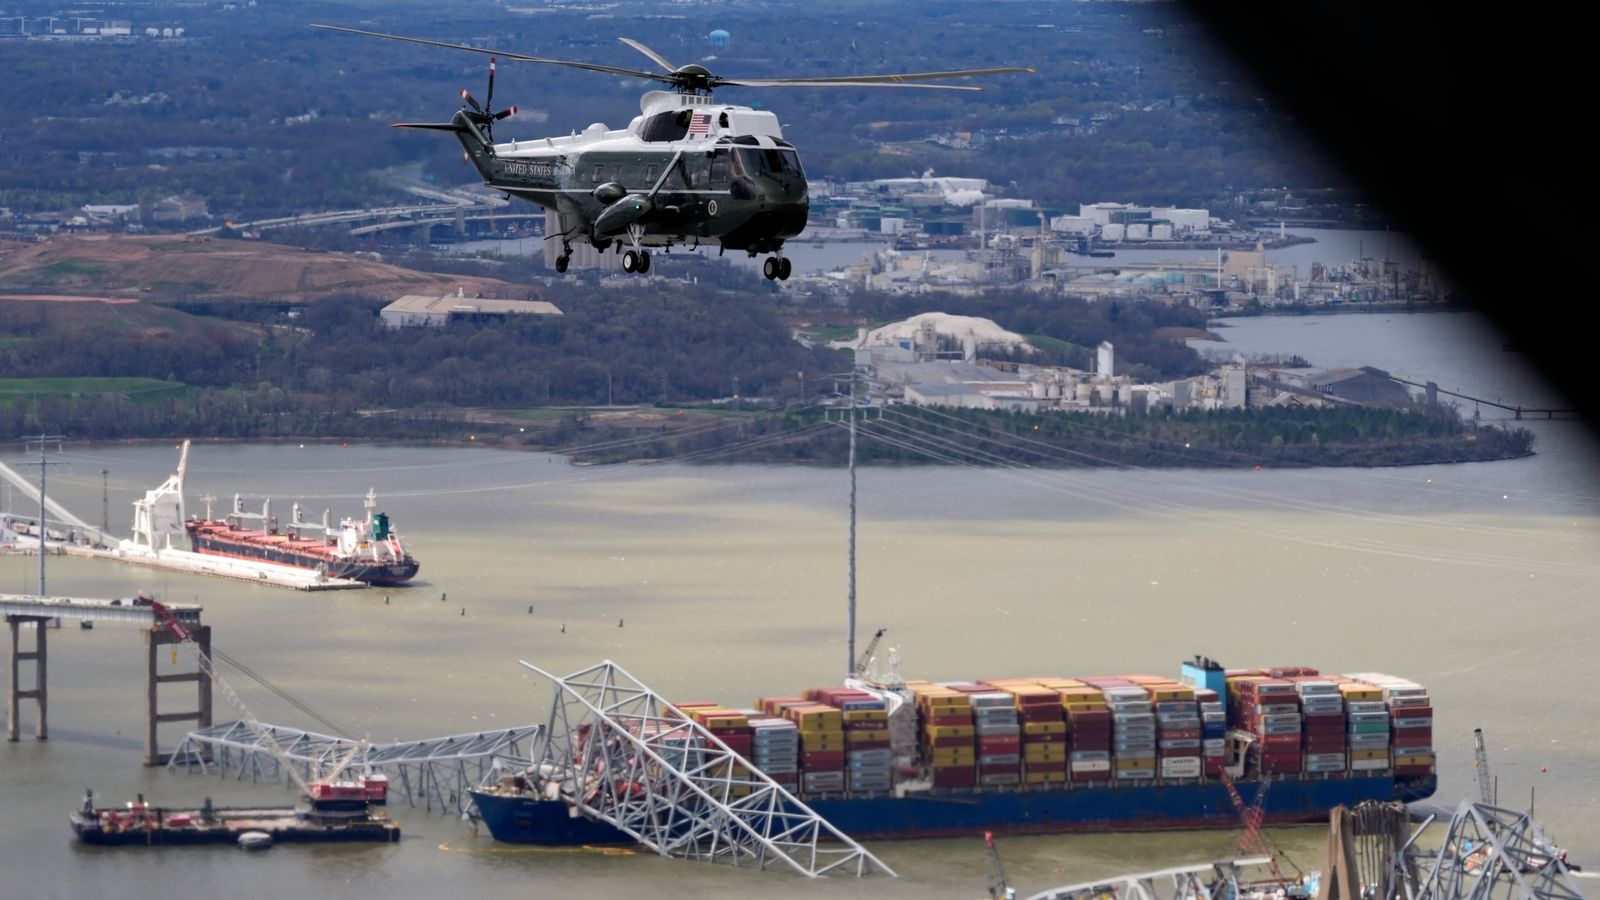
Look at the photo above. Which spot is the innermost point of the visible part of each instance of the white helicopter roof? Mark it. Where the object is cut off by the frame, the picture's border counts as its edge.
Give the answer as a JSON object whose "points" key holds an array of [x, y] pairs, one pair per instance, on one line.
{"points": [[671, 120]]}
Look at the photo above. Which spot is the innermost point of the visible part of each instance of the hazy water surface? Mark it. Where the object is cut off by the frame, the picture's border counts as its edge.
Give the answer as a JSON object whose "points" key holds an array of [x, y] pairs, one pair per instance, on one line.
{"points": [[1479, 580]]}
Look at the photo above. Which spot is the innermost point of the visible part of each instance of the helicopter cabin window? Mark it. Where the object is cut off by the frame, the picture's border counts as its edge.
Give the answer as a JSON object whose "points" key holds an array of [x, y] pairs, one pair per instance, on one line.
{"points": [[754, 160], [650, 174], [599, 173], [719, 168], [667, 126]]}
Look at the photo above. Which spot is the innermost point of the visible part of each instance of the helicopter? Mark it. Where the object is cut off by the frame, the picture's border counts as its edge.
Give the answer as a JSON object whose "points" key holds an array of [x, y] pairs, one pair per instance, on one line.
{"points": [[687, 171]]}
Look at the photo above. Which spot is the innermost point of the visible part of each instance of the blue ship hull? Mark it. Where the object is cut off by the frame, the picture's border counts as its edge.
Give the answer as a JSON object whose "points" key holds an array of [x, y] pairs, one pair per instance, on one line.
{"points": [[525, 820]]}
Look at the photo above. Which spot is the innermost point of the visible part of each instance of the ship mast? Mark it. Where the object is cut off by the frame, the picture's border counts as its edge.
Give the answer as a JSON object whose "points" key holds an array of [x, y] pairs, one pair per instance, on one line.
{"points": [[850, 644]]}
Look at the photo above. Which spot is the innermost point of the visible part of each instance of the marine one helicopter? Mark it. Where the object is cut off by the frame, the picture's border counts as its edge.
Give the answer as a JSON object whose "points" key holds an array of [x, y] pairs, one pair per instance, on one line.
{"points": [[687, 171]]}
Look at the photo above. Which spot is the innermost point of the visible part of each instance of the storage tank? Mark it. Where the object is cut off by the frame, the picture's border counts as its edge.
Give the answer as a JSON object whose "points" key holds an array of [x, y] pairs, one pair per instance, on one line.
{"points": [[1138, 232], [1111, 232], [1161, 231]]}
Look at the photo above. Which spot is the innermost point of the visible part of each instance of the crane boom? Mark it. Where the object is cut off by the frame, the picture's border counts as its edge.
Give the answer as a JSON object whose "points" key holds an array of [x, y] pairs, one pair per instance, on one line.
{"points": [[261, 732], [1480, 762], [866, 655]]}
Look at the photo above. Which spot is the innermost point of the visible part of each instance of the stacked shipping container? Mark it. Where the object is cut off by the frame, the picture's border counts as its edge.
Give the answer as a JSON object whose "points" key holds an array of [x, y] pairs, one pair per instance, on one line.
{"points": [[1046, 733]]}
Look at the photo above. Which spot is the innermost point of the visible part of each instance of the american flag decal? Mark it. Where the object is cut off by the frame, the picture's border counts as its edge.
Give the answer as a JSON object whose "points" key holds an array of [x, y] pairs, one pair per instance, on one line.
{"points": [[700, 123]]}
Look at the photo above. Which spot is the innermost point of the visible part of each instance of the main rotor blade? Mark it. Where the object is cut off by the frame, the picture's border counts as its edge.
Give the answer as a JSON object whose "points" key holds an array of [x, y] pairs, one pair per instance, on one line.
{"points": [[829, 82], [655, 57], [899, 78], [520, 57]]}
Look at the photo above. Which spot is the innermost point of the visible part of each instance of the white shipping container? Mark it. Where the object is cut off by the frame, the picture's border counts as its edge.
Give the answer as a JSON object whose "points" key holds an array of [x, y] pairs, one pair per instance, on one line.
{"points": [[1090, 765], [1368, 765]]}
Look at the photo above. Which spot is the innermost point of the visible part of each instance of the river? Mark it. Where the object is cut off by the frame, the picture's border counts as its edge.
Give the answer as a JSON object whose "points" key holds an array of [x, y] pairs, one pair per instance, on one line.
{"points": [[728, 582]]}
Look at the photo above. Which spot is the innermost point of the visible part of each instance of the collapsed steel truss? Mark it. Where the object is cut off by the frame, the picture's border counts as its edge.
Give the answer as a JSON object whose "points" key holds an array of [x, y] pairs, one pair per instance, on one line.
{"points": [[633, 760], [1207, 881], [1488, 853], [433, 772]]}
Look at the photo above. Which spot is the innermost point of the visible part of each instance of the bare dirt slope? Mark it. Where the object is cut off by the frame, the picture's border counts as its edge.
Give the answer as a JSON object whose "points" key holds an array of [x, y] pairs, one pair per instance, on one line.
{"points": [[161, 267]]}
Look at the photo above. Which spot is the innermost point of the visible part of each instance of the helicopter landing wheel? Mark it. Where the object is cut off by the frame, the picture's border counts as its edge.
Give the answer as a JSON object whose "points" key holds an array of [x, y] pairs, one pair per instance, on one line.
{"points": [[770, 268], [630, 262], [644, 261], [561, 262], [784, 267]]}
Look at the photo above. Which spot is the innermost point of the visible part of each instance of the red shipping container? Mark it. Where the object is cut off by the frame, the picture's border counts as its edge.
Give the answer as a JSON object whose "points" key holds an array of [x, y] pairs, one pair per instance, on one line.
{"points": [[1046, 766], [1179, 734], [1088, 776], [962, 719], [990, 745], [967, 687], [822, 760], [954, 778], [951, 742], [1412, 770], [1411, 712], [1412, 737], [1281, 766], [1279, 740]]}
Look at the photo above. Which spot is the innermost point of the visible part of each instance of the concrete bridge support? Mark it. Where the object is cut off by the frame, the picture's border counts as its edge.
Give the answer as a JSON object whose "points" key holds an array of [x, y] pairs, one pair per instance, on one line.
{"points": [[156, 638], [40, 693]]}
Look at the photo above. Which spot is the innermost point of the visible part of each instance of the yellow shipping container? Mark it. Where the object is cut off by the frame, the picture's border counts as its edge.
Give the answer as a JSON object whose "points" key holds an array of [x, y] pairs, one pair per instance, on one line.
{"points": [[1135, 763], [866, 715], [943, 757], [1095, 705], [943, 701], [819, 719], [1360, 692], [1415, 759], [1044, 728], [879, 736], [1369, 754], [1044, 777], [1044, 753], [946, 731], [1172, 692]]}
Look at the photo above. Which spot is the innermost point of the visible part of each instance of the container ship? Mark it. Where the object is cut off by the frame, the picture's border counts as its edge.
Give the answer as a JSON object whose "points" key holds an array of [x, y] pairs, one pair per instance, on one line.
{"points": [[1124, 753], [366, 549]]}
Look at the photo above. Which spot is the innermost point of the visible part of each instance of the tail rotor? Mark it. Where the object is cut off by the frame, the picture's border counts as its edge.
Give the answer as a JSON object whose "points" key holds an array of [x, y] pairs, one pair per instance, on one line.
{"points": [[484, 115]]}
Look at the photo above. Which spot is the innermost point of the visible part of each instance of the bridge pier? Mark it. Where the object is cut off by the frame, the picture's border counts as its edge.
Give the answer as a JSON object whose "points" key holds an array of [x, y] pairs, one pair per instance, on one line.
{"points": [[40, 693], [156, 638]]}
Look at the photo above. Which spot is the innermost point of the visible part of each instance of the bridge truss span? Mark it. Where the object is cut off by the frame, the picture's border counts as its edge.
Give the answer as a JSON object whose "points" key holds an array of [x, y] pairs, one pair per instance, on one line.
{"points": [[436, 772], [635, 761]]}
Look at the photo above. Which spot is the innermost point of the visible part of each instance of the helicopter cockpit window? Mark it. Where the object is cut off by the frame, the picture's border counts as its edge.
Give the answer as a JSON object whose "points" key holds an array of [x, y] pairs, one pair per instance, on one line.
{"points": [[719, 168], [778, 162], [667, 126]]}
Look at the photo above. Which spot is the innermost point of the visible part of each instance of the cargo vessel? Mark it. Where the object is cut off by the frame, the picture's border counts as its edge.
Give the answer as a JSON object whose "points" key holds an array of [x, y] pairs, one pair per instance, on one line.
{"points": [[1125, 753], [337, 812], [366, 549]]}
